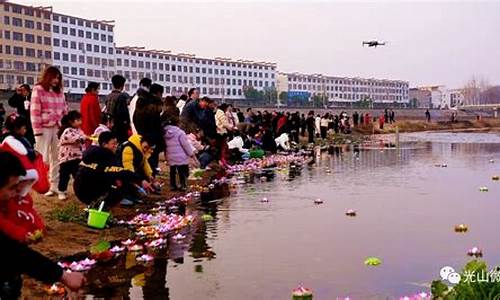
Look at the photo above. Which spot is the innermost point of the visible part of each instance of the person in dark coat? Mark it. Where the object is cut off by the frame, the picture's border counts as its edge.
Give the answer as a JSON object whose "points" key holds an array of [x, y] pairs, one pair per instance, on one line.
{"points": [[100, 177], [117, 107], [303, 125], [147, 121], [192, 113], [21, 102], [295, 127], [355, 118], [310, 126]]}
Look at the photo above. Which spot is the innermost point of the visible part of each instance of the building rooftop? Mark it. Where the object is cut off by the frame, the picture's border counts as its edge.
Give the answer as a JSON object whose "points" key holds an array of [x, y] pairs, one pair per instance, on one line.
{"points": [[193, 56], [317, 75]]}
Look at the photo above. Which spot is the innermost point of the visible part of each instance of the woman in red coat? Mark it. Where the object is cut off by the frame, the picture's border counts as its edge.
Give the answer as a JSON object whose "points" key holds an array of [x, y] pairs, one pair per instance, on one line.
{"points": [[90, 109]]}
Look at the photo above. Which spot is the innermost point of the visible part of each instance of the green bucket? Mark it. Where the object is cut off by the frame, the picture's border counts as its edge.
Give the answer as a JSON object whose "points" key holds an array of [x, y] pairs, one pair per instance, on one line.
{"points": [[257, 153], [97, 219]]}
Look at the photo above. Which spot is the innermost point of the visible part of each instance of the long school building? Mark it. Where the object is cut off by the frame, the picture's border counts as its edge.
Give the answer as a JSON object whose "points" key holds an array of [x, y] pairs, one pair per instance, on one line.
{"points": [[32, 38]]}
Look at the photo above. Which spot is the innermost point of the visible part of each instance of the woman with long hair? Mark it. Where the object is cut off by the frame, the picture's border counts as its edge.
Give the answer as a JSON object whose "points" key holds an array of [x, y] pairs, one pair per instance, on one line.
{"points": [[48, 105]]}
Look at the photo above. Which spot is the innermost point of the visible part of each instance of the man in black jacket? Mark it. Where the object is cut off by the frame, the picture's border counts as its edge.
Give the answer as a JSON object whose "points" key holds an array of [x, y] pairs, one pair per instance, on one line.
{"points": [[100, 177], [16, 258], [117, 107]]}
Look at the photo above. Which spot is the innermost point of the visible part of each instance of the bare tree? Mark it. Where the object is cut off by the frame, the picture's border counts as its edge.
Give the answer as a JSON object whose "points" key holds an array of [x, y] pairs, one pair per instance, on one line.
{"points": [[474, 90]]}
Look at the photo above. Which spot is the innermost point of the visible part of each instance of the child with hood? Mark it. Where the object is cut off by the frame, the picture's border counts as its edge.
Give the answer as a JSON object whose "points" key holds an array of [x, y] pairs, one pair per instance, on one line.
{"points": [[179, 151]]}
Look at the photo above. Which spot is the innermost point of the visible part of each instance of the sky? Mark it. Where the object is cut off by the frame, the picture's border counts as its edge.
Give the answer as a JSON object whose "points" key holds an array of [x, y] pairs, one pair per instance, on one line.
{"points": [[427, 42]]}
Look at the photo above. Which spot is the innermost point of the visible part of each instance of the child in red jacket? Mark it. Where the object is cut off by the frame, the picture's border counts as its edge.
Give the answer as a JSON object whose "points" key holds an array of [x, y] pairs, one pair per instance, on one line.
{"points": [[18, 218]]}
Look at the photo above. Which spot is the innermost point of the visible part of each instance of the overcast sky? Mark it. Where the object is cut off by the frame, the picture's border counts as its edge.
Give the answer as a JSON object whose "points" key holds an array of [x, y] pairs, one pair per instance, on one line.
{"points": [[427, 42]]}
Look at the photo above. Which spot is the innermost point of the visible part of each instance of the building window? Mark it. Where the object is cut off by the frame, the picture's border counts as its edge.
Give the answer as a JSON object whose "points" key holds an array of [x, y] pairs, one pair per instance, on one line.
{"points": [[81, 33], [30, 67], [65, 70], [30, 52], [17, 36], [47, 41], [18, 51], [96, 36], [73, 45], [73, 57], [65, 57], [18, 65], [6, 20], [110, 50], [110, 38], [29, 24], [103, 37], [72, 31], [17, 22], [29, 38], [65, 43], [88, 34], [103, 49]]}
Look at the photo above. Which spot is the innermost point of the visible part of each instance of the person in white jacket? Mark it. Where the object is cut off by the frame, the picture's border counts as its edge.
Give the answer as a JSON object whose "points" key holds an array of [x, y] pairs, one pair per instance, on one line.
{"points": [[283, 141], [317, 124]]}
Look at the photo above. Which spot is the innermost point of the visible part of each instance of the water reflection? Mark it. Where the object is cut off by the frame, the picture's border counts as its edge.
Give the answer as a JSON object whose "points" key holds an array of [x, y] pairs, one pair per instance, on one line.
{"points": [[407, 208]]}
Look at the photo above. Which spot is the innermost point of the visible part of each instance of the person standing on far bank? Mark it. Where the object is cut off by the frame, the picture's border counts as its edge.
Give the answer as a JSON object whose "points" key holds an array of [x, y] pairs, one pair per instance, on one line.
{"points": [[428, 116], [48, 105]]}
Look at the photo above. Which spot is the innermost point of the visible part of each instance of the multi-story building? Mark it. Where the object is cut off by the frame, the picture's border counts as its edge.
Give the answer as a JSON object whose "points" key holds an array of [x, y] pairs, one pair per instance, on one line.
{"points": [[84, 51], [430, 96], [421, 97], [344, 90], [452, 98], [25, 43], [220, 78]]}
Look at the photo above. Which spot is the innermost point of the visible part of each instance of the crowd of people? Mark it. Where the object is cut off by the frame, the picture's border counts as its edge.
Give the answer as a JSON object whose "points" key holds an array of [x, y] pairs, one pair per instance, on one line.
{"points": [[113, 151]]}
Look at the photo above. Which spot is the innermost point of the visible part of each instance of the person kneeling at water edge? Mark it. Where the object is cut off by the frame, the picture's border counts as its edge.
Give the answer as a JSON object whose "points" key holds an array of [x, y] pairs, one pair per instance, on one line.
{"points": [[101, 178], [16, 258], [134, 155]]}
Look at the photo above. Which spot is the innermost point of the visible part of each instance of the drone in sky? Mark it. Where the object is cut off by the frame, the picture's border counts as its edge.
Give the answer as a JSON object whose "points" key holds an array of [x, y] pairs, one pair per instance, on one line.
{"points": [[373, 43]]}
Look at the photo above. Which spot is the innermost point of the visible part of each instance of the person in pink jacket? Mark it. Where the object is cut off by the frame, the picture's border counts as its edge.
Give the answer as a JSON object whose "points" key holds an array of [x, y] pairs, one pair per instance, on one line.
{"points": [[71, 144], [48, 105]]}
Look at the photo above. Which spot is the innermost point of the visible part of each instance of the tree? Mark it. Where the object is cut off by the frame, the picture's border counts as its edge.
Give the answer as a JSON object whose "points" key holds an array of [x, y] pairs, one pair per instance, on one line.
{"points": [[270, 94], [252, 94], [284, 96], [317, 100], [414, 103], [473, 89], [365, 102]]}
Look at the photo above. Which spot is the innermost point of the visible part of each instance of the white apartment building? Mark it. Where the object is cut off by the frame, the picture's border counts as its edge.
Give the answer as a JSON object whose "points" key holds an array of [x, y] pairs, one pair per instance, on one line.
{"points": [[452, 98], [84, 51], [219, 78], [347, 90]]}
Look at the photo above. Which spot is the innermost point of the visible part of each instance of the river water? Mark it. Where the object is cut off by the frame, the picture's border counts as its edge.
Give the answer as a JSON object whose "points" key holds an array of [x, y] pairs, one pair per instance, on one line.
{"points": [[406, 212]]}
